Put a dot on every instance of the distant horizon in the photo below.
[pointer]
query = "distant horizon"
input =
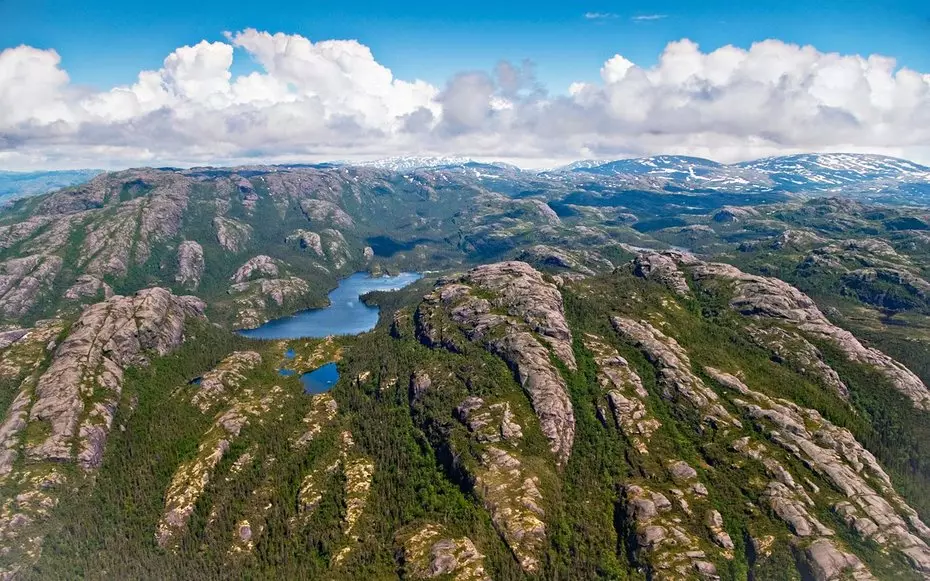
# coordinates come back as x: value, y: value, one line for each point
x: 462, y: 158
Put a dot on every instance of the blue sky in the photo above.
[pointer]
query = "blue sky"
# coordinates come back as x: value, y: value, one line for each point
x: 103, y: 43
x: 278, y: 89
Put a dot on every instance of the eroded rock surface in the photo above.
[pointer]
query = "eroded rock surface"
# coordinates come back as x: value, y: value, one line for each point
x: 521, y: 319
x: 679, y: 384
x: 873, y: 508
x: 625, y: 393
x: 432, y: 552
x: 72, y: 404
x: 513, y: 498
x: 24, y: 280
x: 190, y: 264
x: 776, y: 301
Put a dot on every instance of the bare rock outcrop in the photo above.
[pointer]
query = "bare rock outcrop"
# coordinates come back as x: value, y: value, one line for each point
x: 308, y: 239
x: 510, y: 309
x: 828, y: 563
x: 190, y: 264
x: 625, y: 394
x: 793, y: 349
x: 116, y: 241
x: 489, y: 422
x: 873, y: 508
x: 260, y: 265
x: 663, y: 543
x: 71, y: 405
x: 776, y: 301
x: 322, y: 412
x: 513, y: 498
x: 191, y: 477
x: 232, y: 235
x: 23, y: 280
x: 108, y: 337
x: 679, y: 384
x: 88, y: 285
x: 252, y: 297
x: 228, y: 375
x: 663, y: 269
x: 432, y: 552
x: 323, y: 212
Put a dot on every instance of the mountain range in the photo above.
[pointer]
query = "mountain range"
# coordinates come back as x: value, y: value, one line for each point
x: 662, y: 368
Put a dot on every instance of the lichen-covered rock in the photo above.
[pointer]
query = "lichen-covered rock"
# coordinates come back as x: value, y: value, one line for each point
x: 431, y: 552
x: 534, y: 320
x: 625, y: 394
x: 489, y: 422
x: 662, y: 541
x: 322, y: 412
x: 191, y: 477
x: 190, y: 264
x: 513, y: 498
x: 226, y: 376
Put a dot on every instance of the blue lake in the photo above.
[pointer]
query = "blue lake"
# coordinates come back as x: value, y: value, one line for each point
x: 320, y: 380
x: 345, y: 315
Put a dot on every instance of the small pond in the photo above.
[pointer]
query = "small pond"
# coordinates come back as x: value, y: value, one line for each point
x: 320, y: 380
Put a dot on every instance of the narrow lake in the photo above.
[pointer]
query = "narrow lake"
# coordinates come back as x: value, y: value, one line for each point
x: 345, y: 315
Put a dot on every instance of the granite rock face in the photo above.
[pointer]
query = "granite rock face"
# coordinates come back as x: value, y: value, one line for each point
x: 24, y: 280
x: 873, y: 509
x: 108, y: 337
x: 776, y: 302
x: 73, y: 402
x: 513, y: 498
x: 520, y: 322
x: 232, y: 235
x: 679, y: 383
x: 190, y: 264
x: 308, y: 239
x: 261, y: 265
x: 625, y: 394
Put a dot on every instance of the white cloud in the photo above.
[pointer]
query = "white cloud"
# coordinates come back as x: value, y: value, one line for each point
x: 648, y: 17
x: 333, y: 100
x: 599, y: 15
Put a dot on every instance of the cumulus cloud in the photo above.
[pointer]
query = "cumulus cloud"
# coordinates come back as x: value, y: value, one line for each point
x: 333, y: 100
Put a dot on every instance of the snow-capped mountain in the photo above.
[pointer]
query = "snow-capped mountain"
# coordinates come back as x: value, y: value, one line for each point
x: 873, y: 175
x: 409, y: 163
x: 836, y: 169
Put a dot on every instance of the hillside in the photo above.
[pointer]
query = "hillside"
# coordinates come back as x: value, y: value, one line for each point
x: 592, y: 380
